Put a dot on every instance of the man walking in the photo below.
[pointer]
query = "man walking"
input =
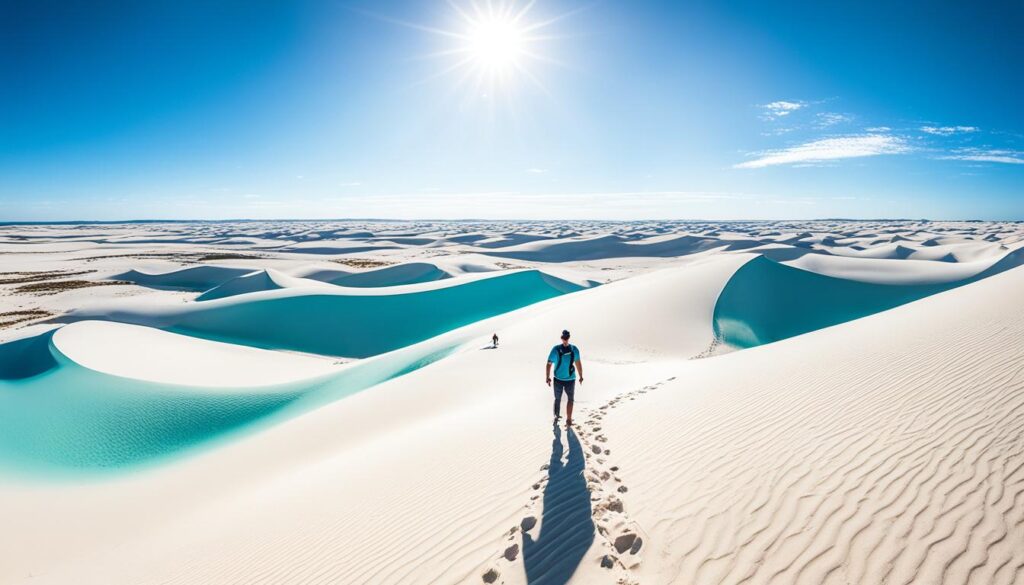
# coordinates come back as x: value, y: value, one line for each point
x: 565, y: 357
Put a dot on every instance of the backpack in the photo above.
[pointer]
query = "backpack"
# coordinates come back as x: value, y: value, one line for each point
x: 571, y: 351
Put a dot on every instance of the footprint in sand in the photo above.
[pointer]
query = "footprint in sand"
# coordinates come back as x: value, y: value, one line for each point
x: 618, y: 535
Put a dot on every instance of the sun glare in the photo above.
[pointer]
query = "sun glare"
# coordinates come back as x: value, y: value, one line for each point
x: 495, y: 43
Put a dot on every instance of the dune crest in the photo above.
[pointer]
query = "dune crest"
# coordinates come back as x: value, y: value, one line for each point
x: 883, y: 450
x: 860, y: 424
x: 767, y: 301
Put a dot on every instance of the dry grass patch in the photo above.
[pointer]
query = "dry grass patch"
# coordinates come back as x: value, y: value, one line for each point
x: 52, y: 287
x: 363, y: 262
x: 40, y: 276
x: 182, y: 257
x: 213, y: 257
x: 12, y: 318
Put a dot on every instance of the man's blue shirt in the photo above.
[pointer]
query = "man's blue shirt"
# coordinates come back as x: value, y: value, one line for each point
x: 562, y: 371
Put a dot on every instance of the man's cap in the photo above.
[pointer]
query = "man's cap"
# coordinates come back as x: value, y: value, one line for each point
x: 565, y: 334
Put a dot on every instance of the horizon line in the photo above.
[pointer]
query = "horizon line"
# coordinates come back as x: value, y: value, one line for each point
x: 483, y: 219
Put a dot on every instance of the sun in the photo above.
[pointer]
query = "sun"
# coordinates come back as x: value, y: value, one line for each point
x: 496, y: 43
x: 493, y: 46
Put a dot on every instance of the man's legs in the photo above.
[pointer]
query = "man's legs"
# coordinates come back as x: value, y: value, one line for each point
x: 570, y: 391
x: 558, y: 395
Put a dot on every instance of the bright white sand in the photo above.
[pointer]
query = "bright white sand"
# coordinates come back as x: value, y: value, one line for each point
x: 144, y: 353
x: 885, y: 449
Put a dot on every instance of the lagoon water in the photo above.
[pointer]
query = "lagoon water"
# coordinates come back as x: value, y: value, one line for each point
x: 766, y: 301
x: 58, y: 417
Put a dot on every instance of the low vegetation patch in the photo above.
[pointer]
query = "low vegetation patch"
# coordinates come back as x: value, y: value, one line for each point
x: 12, y: 318
x: 182, y: 257
x: 228, y: 256
x: 40, y: 276
x: 52, y: 287
x: 363, y: 262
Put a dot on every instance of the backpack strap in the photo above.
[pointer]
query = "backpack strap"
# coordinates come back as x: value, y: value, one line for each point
x: 562, y: 350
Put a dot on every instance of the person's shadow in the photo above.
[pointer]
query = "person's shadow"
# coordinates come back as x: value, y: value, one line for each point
x: 567, y: 527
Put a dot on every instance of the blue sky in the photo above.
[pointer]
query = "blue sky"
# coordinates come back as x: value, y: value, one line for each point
x: 612, y: 110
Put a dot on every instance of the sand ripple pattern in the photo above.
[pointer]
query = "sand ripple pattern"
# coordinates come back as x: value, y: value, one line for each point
x: 888, y: 452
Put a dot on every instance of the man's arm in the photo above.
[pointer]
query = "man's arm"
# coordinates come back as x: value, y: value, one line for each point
x: 547, y: 373
x: 579, y: 368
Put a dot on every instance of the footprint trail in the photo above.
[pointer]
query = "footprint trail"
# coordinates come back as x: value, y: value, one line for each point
x: 594, y: 477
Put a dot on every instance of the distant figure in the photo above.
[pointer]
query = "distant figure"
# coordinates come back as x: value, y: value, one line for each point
x: 566, y: 359
x: 494, y: 340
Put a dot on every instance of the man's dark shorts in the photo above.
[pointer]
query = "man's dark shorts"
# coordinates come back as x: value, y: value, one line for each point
x: 567, y: 386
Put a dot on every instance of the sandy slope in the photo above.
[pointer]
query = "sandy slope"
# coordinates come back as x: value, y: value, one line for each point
x: 413, y: 482
x: 821, y: 458
x: 72, y: 265
x: 144, y: 353
x: 885, y: 449
x: 342, y: 321
x: 904, y: 272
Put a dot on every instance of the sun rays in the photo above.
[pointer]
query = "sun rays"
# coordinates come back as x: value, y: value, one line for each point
x: 494, y: 46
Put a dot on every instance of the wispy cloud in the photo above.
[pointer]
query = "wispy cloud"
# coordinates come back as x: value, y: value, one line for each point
x: 536, y: 171
x: 350, y: 184
x: 826, y: 149
x: 780, y: 109
x: 827, y: 119
x: 948, y: 130
x: 1010, y: 157
x: 841, y: 141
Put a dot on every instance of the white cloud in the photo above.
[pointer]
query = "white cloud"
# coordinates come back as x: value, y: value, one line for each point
x: 878, y: 129
x: 536, y: 171
x: 781, y: 108
x: 826, y: 119
x: 350, y: 184
x: 1010, y: 157
x: 840, y: 147
x: 948, y: 130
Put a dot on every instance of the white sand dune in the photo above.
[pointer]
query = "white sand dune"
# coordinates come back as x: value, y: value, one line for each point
x: 509, y: 239
x: 342, y: 247
x: 886, y: 450
x: 715, y: 462
x: 196, y: 278
x: 449, y: 420
x: 260, y: 280
x: 610, y: 246
x: 144, y: 353
x: 768, y: 301
x: 408, y: 273
x: 337, y: 321
x: 870, y: 434
x: 913, y: 271
x: 959, y: 252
